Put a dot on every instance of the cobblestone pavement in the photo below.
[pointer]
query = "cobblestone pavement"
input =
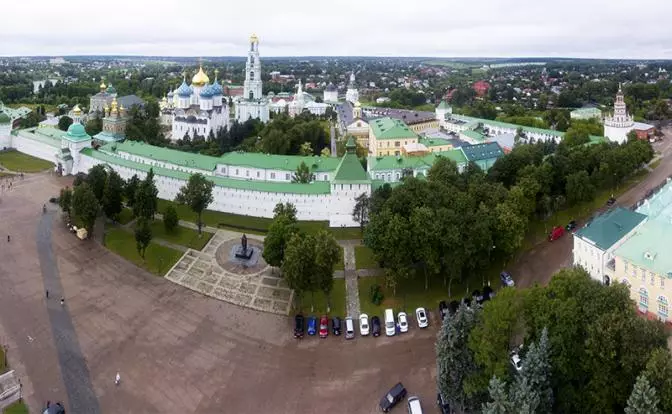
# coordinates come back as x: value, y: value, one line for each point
x: 351, y: 285
x: 177, y: 350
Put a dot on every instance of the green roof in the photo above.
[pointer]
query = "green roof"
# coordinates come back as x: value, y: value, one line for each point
x: 392, y: 162
x: 389, y: 128
x: 473, y: 135
x: 587, y: 111
x: 443, y: 105
x: 350, y: 170
x: 316, y: 187
x: 485, y: 151
x: 649, y: 248
x: 76, y: 133
x: 208, y: 163
x: 4, y: 118
x: 507, y: 125
x: 433, y: 142
x: 45, y: 135
x: 606, y: 229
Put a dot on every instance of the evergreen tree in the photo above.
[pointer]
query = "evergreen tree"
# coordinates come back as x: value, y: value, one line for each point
x: 327, y: 254
x: 145, y: 203
x: 112, y: 195
x: 499, y: 401
x: 65, y: 201
x: 360, y: 212
x: 143, y: 236
x: 659, y: 373
x: 131, y: 189
x: 537, y: 373
x: 170, y: 219
x: 524, y: 397
x: 85, y: 205
x: 96, y: 178
x: 643, y: 399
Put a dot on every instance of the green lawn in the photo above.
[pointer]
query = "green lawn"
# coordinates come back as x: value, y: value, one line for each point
x: 253, y: 225
x: 337, y: 301
x: 17, y: 408
x: 181, y: 235
x: 364, y: 258
x: 126, y: 216
x: 411, y: 294
x: 20, y: 162
x: 340, y: 265
x: 539, y: 229
x: 3, y: 367
x: 158, y: 259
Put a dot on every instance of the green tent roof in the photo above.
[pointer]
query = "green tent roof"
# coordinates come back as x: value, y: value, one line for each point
x: 350, y: 170
x: 443, y: 105
x: 605, y: 230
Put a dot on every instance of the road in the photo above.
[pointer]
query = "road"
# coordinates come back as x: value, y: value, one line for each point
x: 177, y: 351
x: 540, y: 263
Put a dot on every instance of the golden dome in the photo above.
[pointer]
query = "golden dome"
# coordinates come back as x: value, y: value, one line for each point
x: 76, y: 110
x: 102, y: 85
x: 254, y: 38
x: 200, y: 78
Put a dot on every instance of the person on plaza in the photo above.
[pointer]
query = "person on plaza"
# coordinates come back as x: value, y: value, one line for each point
x: 117, y: 379
x: 8, y: 238
x: 62, y: 301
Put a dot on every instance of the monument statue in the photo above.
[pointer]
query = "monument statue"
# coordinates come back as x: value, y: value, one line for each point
x: 242, y: 252
x: 243, y: 242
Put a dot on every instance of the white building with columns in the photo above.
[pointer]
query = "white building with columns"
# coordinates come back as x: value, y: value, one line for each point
x: 618, y: 124
x: 252, y: 104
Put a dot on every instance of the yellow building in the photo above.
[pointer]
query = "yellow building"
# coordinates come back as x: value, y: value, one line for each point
x: 435, y: 144
x: 644, y: 264
x: 388, y: 136
x: 358, y: 128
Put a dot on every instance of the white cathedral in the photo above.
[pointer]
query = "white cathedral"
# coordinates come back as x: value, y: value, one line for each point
x: 252, y: 104
x: 197, y: 109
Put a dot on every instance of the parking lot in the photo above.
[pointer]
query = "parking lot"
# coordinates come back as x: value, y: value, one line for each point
x: 178, y: 351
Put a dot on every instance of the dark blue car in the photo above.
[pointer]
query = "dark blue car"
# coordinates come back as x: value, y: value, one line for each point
x: 312, y: 325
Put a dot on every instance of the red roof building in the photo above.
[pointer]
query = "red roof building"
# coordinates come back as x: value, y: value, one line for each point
x: 481, y: 88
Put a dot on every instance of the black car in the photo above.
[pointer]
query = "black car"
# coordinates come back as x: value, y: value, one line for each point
x: 611, y: 201
x: 571, y: 225
x: 393, y: 396
x: 443, y: 404
x: 336, y: 325
x: 443, y: 309
x: 375, y: 326
x: 298, y: 326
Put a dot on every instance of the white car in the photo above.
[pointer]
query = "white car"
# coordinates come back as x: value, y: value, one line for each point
x: 403, y: 322
x: 516, y: 361
x: 363, y: 324
x: 421, y: 316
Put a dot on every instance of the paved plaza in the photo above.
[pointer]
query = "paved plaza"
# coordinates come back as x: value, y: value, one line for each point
x: 214, y: 272
x: 177, y: 350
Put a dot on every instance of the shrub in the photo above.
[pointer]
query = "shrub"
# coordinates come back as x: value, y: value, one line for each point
x: 376, y: 295
x: 170, y: 219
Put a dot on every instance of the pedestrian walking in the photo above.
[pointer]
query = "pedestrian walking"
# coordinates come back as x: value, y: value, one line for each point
x: 62, y: 301
x: 117, y: 379
x: 47, y: 293
x: 8, y: 238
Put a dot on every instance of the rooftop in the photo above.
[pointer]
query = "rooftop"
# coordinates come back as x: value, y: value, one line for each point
x: 45, y: 135
x: 388, y: 128
x: 483, y: 151
x: 649, y: 248
x: 606, y: 229
x: 659, y: 206
x: 349, y: 169
x: 392, y: 162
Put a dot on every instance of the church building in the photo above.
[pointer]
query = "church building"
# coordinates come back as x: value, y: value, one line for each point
x: 252, y: 104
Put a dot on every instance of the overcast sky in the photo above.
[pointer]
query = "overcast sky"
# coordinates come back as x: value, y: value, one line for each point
x: 447, y: 28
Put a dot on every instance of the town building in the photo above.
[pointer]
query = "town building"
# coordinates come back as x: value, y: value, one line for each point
x: 252, y: 104
x: 387, y: 136
x: 352, y: 94
x: 330, y: 94
x: 481, y: 88
x: 596, y: 242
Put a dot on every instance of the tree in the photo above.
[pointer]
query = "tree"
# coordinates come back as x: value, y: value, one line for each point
x: 360, y: 212
x: 145, y: 203
x: 499, y: 400
x: 579, y: 188
x: 112, y: 195
x: 131, y: 189
x: 306, y: 149
x: 327, y: 254
x: 65, y: 201
x: 643, y: 399
x: 170, y: 218
x: 537, y: 374
x: 287, y: 209
x: 143, y: 236
x: 325, y: 153
x: 576, y: 136
x: 659, y: 373
x: 279, y: 233
x: 303, y: 174
x: 85, y: 206
x: 524, y: 397
x: 455, y: 362
x: 298, y: 266
x: 197, y: 194
x: 97, y: 178
x: 94, y: 126
x: 64, y: 123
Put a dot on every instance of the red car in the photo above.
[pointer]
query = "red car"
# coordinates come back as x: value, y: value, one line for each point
x: 556, y: 233
x: 324, y: 327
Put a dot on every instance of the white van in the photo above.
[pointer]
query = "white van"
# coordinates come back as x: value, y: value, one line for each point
x: 390, y: 325
x: 349, y: 328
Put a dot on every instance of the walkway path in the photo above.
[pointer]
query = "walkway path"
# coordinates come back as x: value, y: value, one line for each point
x: 351, y: 285
x: 73, y: 366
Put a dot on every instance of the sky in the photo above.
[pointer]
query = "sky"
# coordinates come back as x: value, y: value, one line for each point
x: 615, y: 29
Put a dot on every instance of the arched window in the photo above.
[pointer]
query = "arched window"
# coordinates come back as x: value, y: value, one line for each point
x: 251, y: 95
x: 251, y: 75
x: 662, y: 308
x: 643, y: 300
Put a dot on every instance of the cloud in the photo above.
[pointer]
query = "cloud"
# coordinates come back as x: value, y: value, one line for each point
x: 580, y: 28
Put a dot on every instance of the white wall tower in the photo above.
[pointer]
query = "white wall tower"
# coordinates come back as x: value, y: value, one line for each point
x: 617, y: 125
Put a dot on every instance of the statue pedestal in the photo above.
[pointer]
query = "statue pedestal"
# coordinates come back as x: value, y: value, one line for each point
x: 244, y: 253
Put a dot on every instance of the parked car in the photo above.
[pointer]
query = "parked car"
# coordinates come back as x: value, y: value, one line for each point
x: 556, y: 233
x: 443, y: 309
x: 421, y: 316
x: 336, y: 325
x: 375, y: 326
x: 403, y: 322
x: 392, y: 397
x: 298, y: 326
x: 363, y: 324
x: 324, y: 327
x: 349, y: 328
x: 507, y: 279
x: 571, y: 225
x: 516, y: 361
x: 312, y: 325
x: 390, y: 325
x: 414, y: 405
x: 443, y: 404
x: 611, y: 201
